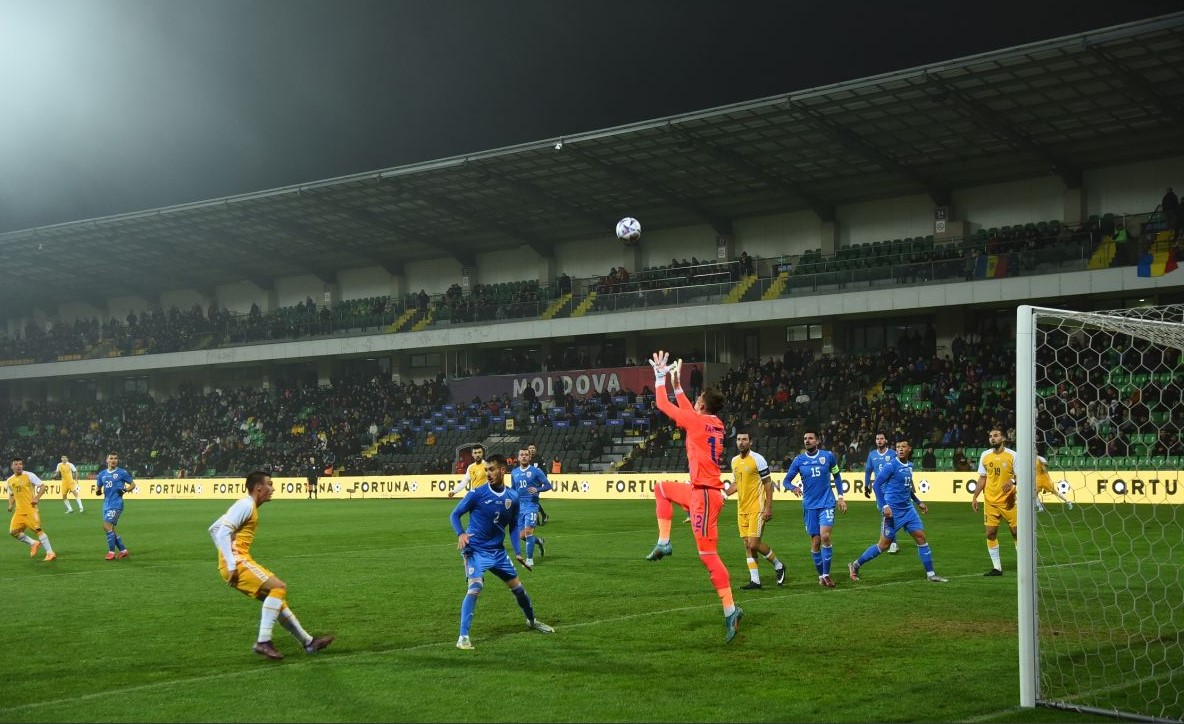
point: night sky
(124, 105)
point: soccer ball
(628, 229)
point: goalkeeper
(703, 496)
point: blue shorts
(477, 562)
(528, 519)
(817, 519)
(111, 515)
(909, 520)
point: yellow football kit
(999, 467)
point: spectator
(961, 463)
(929, 460)
(1171, 208)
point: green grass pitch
(159, 637)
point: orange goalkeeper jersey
(705, 437)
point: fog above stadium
(125, 105)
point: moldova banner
(581, 383)
(1158, 264)
(990, 266)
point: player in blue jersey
(816, 468)
(894, 491)
(112, 483)
(876, 459)
(492, 508)
(528, 481)
(538, 461)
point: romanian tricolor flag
(990, 266)
(1157, 264)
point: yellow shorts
(68, 490)
(752, 525)
(251, 576)
(993, 514)
(25, 520)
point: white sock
(772, 558)
(271, 610)
(753, 573)
(45, 543)
(26, 540)
(995, 560)
(289, 621)
(79, 500)
(69, 508)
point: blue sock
(826, 555)
(523, 601)
(119, 542)
(926, 557)
(530, 546)
(872, 551)
(817, 561)
(111, 541)
(469, 606)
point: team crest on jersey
(508, 503)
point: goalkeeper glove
(660, 372)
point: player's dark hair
(474, 448)
(17, 459)
(497, 459)
(256, 478)
(713, 401)
(745, 431)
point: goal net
(1101, 589)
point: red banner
(578, 383)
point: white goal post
(1101, 568)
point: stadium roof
(1058, 107)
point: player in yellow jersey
(474, 474)
(1044, 484)
(233, 534)
(996, 483)
(69, 477)
(754, 490)
(24, 493)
